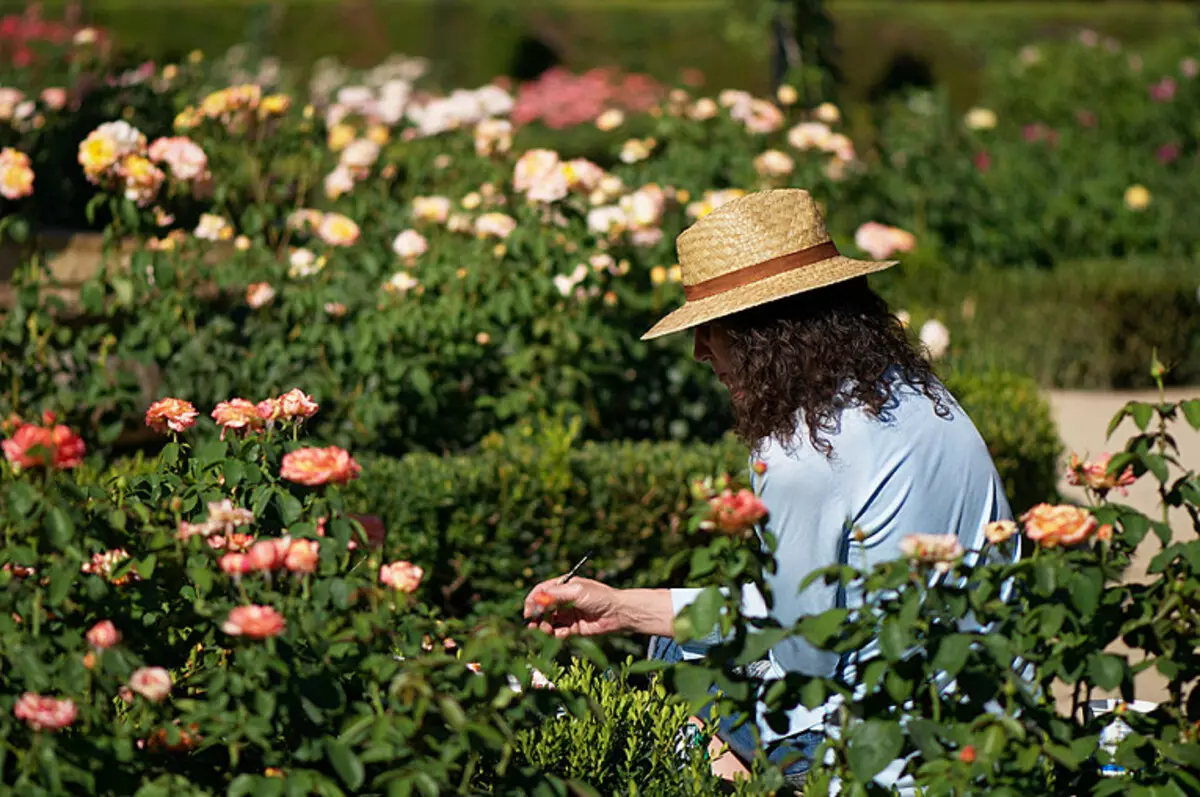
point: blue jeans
(798, 750)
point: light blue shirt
(907, 471)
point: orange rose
(1051, 526)
(401, 576)
(735, 512)
(256, 622)
(317, 466)
(236, 413)
(302, 556)
(171, 414)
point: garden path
(1082, 419)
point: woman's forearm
(647, 611)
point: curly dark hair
(809, 356)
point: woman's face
(712, 347)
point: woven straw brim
(818, 275)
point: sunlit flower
(44, 713)
(105, 562)
(297, 405)
(141, 178)
(774, 163)
(16, 174)
(317, 466)
(828, 113)
(581, 173)
(184, 157)
(809, 135)
(103, 635)
(224, 516)
(759, 116)
(337, 230)
(401, 283)
(213, 228)
(410, 244)
(606, 219)
(431, 208)
(733, 512)
(493, 137)
(152, 683)
(259, 294)
(171, 414)
(237, 413)
(936, 338)
(702, 109)
(335, 309)
(234, 564)
(340, 136)
(939, 550)
(494, 225)
(980, 119)
(302, 556)
(256, 622)
(106, 145)
(787, 95)
(360, 155)
(1051, 526)
(636, 149)
(303, 263)
(610, 119)
(1137, 197)
(401, 576)
(338, 182)
(999, 531)
(1095, 476)
(52, 445)
(881, 241)
(1163, 90)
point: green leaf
(60, 527)
(1142, 413)
(705, 611)
(1045, 576)
(1106, 671)
(1191, 411)
(1157, 465)
(952, 654)
(61, 580)
(1116, 421)
(874, 745)
(1085, 590)
(210, 453)
(235, 471)
(345, 763)
(241, 785)
(692, 682)
(290, 507)
(170, 454)
(893, 640)
(819, 629)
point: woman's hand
(583, 607)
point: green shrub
(625, 744)
(1091, 325)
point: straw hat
(753, 250)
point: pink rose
(736, 512)
(302, 556)
(1051, 526)
(256, 622)
(44, 713)
(171, 414)
(237, 413)
(103, 635)
(401, 576)
(317, 466)
(297, 405)
(152, 683)
(235, 564)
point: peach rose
(103, 635)
(1051, 526)
(939, 550)
(237, 413)
(256, 622)
(1095, 475)
(264, 555)
(431, 208)
(171, 414)
(44, 713)
(337, 230)
(259, 294)
(999, 531)
(401, 576)
(152, 683)
(236, 564)
(736, 512)
(302, 556)
(317, 466)
(297, 405)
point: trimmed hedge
(530, 503)
(1091, 325)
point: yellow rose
(340, 135)
(1137, 197)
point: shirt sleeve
(753, 605)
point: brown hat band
(760, 271)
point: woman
(862, 443)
